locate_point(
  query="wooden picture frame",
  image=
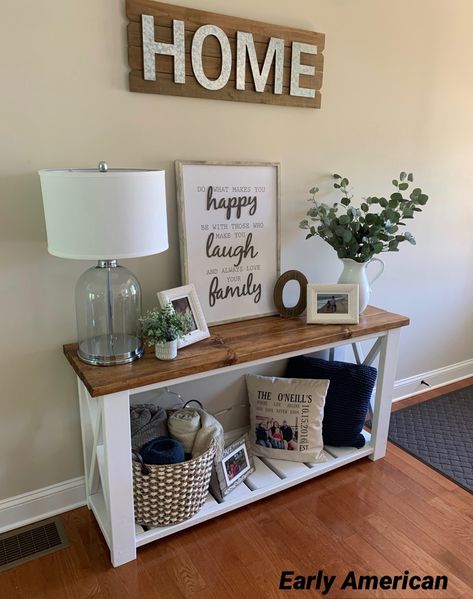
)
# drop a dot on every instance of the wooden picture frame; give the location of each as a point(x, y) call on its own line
point(229, 231)
point(185, 299)
point(332, 304)
point(235, 465)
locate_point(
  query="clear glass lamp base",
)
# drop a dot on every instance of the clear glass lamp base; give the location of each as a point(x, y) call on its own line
point(107, 350)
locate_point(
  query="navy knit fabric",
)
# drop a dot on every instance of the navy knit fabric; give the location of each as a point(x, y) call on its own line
point(163, 450)
point(348, 396)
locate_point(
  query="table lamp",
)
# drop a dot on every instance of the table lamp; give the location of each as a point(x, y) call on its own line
point(105, 214)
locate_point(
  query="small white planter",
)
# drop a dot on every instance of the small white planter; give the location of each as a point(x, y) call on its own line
point(166, 351)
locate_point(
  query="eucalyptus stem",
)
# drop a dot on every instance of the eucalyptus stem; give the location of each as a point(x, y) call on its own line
point(373, 228)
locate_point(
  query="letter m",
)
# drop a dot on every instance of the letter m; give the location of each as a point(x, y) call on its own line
point(275, 52)
point(151, 47)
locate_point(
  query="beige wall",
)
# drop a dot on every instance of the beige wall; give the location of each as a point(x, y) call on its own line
point(397, 95)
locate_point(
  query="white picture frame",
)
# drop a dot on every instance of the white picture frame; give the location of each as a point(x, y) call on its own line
point(185, 299)
point(237, 454)
point(229, 240)
point(335, 303)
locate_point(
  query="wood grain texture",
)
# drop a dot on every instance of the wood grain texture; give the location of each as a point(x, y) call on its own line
point(290, 275)
point(193, 19)
point(376, 518)
point(229, 344)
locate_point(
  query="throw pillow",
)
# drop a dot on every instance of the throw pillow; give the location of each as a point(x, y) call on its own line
point(348, 397)
point(286, 417)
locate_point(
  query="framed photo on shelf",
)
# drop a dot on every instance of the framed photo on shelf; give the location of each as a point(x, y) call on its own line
point(332, 304)
point(184, 300)
point(229, 235)
point(235, 465)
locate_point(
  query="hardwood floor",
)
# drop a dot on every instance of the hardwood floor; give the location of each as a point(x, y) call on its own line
point(375, 518)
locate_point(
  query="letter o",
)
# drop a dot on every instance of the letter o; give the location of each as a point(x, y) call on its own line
point(290, 275)
point(197, 60)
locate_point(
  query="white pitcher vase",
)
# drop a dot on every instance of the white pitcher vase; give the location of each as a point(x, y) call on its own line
point(355, 272)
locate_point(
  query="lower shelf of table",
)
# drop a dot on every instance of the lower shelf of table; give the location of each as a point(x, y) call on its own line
point(270, 477)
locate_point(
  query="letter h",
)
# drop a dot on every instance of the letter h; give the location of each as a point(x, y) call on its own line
point(151, 47)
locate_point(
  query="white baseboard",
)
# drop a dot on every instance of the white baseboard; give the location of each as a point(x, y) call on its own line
point(56, 499)
point(436, 378)
point(41, 504)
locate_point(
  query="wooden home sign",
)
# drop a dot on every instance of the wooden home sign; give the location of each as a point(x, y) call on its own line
point(186, 52)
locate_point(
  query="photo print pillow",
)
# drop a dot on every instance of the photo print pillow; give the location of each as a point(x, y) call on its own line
point(286, 417)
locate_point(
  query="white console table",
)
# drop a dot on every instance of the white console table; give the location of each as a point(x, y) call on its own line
point(104, 396)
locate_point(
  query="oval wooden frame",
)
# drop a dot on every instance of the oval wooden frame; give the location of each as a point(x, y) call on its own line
point(290, 275)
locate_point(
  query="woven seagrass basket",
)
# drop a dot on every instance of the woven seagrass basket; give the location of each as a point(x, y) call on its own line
point(170, 494)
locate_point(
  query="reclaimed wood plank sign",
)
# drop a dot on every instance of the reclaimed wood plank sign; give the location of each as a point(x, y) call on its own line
point(187, 52)
point(229, 233)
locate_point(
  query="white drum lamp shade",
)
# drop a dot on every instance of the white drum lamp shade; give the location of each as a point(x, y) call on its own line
point(105, 215)
point(92, 215)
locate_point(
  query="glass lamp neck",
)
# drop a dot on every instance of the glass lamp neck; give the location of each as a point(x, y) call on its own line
point(107, 264)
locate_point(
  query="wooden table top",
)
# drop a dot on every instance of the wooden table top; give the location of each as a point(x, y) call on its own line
point(228, 344)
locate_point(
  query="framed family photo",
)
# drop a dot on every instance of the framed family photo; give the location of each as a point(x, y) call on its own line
point(332, 304)
point(233, 468)
point(184, 300)
point(229, 236)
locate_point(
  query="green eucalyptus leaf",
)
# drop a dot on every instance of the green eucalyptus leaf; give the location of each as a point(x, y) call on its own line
point(359, 233)
point(422, 199)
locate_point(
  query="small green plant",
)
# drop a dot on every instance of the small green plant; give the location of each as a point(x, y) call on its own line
point(374, 227)
point(164, 324)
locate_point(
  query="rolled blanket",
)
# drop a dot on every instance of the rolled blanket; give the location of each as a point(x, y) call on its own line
point(147, 422)
point(210, 429)
point(184, 425)
point(162, 450)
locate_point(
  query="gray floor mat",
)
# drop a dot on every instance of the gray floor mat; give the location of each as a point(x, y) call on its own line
point(439, 432)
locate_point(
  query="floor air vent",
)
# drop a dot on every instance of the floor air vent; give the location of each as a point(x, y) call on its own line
point(30, 542)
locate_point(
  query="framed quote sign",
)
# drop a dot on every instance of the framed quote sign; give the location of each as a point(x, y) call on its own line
point(229, 234)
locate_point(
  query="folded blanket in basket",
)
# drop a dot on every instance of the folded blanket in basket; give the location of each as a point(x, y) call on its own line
point(196, 429)
point(210, 429)
point(147, 422)
point(162, 450)
point(184, 425)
